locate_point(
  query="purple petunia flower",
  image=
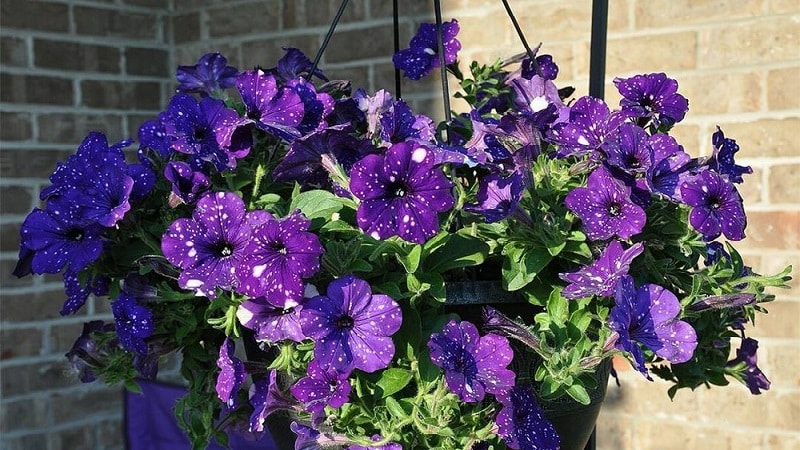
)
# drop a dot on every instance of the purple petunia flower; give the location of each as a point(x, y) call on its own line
point(543, 66)
point(271, 323)
point(210, 76)
point(754, 378)
point(716, 206)
point(628, 150)
point(422, 56)
point(473, 365)
point(399, 124)
point(605, 207)
point(192, 127)
point(210, 246)
point(722, 159)
point(498, 323)
point(375, 438)
point(497, 196)
point(401, 193)
point(133, 322)
point(86, 354)
point(670, 164)
point(266, 399)
point(653, 96)
point(294, 64)
point(61, 236)
point(231, 375)
point(538, 98)
point(352, 327)
point(321, 387)
point(188, 185)
point(600, 277)
point(316, 105)
point(275, 110)
point(153, 136)
point(647, 316)
point(281, 253)
point(77, 293)
point(522, 424)
point(590, 125)
point(373, 107)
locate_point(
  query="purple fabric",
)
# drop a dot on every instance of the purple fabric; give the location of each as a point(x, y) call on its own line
point(150, 422)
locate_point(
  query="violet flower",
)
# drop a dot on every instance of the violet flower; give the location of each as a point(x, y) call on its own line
point(590, 125)
point(754, 378)
point(294, 64)
point(280, 254)
point(351, 326)
point(133, 322)
point(188, 185)
point(266, 399)
point(522, 424)
point(600, 277)
point(271, 323)
point(652, 96)
point(321, 387)
point(316, 105)
point(76, 292)
point(422, 56)
point(232, 372)
point(628, 150)
point(210, 246)
point(498, 323)
point(376, 438)
point(210, 76)
point(399, 124)
point(716, 206)
point(497, 197)
point(401, 193)
point(669, 166)
point(722, 159)
point(605, 207)
point(648, 316)
point(473, 365)
point(86, 354)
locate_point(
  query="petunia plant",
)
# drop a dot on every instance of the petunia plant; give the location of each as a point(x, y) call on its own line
point(298, 244)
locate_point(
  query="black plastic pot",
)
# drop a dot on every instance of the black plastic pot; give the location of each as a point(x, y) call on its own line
point(574, 422)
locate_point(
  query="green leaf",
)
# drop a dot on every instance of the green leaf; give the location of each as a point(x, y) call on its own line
point(522, 264)
point(410, 260)
point(579, 393)
point(395, 409)
point(459, 251)
point(316, 204)
point(393, 380)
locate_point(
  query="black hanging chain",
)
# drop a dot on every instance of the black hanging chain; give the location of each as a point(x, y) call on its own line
point(442, 65)
point(530, 52)
point(597, 52)
point(396, 24)
point(327, 38)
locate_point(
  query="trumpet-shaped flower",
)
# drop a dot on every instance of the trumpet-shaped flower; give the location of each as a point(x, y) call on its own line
point(422, 56)
point(716, 206)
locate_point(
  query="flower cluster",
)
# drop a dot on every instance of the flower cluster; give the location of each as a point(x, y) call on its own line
point(257, 191)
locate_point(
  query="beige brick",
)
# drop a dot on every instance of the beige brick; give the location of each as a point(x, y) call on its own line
point(783, 441)
point(614, 432)
point(765, 40)
point(491, 27)
point(741, 408)
point(781, 322)
point(753, 189)
point(370, 43)
point(783, 88)
point(779, 362)
point(555, 21)
point(775, 263)
point(784, 184)
point(686, 12)
point(646, 53)
point(784, 6)
point(784, 410)
point(265, 53)
point(778, 230)
point(721, 93)
point(766, 137)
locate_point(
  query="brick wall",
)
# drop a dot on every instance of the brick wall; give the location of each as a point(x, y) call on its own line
point(73, 66)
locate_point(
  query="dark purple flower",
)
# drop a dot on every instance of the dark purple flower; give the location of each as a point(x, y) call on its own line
point(321, 387)
point(275, 110)
point(210, 246)
point(281, 253)
point(722, 160)
point(231, 374)
point(544, 67)
point(716, 206)
point(192, 127)
point(498, 323)
point(670, 164)
point(304, 160)
point(600, 277)
point(648, 316)
point(497, 197)
point(654, 96)
point(538, 98)
point(376, 438)
point(133, 323)
point(399, 123)
point(351, 327)
point(294, 64)
point(187, 184)
point(373, 107)
point(271, 323)
point(401, 193)
point(153, 136)
point(628, 150)
point(61, 236)
point(210, 76)
point(605, 207)
point(522, 424)
point(715, 251)
point(746, 361)
point(266, 398)
point(590, 125)
point(316, 105)
point(473, 365)
point(86, 354)
point(422, 56)
point(77, 293)
point(724, 301)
